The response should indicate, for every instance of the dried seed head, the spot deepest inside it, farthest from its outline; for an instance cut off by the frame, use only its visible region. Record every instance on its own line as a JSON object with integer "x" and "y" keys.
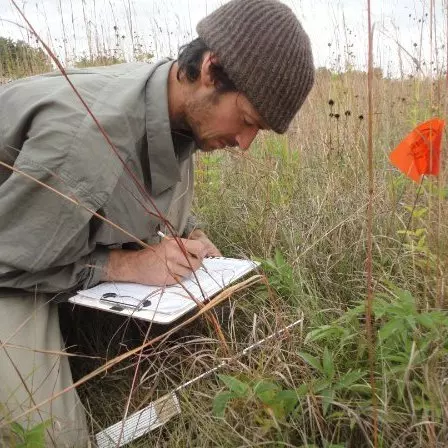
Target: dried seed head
{"x": 331, "y": 102}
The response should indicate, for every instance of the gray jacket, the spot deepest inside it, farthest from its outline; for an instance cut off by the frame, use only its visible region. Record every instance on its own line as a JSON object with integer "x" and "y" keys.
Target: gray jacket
{"x": 49, "y": 244}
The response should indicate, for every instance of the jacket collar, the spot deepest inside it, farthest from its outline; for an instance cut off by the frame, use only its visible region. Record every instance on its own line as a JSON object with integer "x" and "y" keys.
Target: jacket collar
{"x": 163, "y": 160}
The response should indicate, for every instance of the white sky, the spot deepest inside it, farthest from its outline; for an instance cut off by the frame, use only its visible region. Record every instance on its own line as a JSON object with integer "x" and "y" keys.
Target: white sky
{"x": 162, "y": 25}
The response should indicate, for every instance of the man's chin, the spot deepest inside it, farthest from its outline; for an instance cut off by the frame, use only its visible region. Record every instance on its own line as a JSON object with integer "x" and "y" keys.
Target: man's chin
{"x": 207, "y": 146}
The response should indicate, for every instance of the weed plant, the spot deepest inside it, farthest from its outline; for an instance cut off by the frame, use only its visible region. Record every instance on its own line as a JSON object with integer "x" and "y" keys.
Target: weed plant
{"x": 297, "y": 203}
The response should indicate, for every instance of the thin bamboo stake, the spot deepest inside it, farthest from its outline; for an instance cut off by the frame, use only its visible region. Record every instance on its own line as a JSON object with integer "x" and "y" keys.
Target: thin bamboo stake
{"x": 369, "y": 263}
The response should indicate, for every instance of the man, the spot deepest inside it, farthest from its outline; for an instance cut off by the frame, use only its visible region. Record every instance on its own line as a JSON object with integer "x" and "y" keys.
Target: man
{"x": 251, "y": 68}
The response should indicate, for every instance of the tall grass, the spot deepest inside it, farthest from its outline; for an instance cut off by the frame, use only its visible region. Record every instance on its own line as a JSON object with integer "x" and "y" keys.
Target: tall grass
{"x": 298, "y": 203}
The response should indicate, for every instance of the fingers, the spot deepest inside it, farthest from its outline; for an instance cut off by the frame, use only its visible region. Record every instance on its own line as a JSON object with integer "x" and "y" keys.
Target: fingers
{"x": 188, "y": 262}
{"x": 214, "y": 252}
{"x": 182, "y": 261}
{"x": 196, "y": 248}
{"x": 166, "y": 263}
{"x": 211, "y": 249}
{"x": 180, "y": 271}
{"x": 193, "y": 249}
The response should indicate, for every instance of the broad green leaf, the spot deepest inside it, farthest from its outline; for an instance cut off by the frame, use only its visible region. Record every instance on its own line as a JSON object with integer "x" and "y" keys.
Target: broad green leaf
{"x": 405, "y": 297}
{"x": 419, "y": 213}
{"x": 320, "y": 385}
{"x": 420, "y": 232}
{"x": 269, "y": 265}
{"x": 401, "y": 310}
{"x": 327, "y": 398}
{"x": 400, "y": 358}
{"x": 364, "y": 389}
{"x": 35, "y": 437}
{"x": 325, "y": 331}
{"x": 311, "y": 360}
{"x": 439, "y": 317}
{"x": 220, "y": 403}
{"x": 266, "y": 391}
{"x": 390, "y": 328}
{"x": 425, "y": 320}
{"x": 302, "y": 390}
{"x": 236, "y": 386}
{"x": 443, "y": 193}
{"x": 279, "y": 259}
{"x": 353, "y": 312}
{"x": 18, "y": 429}
{"x": 411, "y": 321}
{"x": 278, "y": 409}
{"x": 405, "y": 232}
{"x": 349, "y": 378}
{"x": 328, "y": 365}
{"x": 421, "y": 244}
{"x": 380, "y": 307}
{"x": 288, "y": 398}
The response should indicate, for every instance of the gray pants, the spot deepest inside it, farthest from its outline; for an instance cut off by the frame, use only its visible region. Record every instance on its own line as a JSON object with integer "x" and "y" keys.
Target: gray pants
{"x": 29, "y": 374}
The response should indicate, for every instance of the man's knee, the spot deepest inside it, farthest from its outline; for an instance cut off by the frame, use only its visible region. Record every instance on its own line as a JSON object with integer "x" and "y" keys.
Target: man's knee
{"x": 35, "y": 369}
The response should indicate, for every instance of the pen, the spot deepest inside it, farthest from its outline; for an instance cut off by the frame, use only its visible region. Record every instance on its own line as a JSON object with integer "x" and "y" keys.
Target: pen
{"x": 161, "y": 234}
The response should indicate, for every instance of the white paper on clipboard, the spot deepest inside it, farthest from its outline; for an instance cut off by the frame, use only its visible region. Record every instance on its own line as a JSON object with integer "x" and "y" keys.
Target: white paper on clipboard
{"x": 165, "y": 304}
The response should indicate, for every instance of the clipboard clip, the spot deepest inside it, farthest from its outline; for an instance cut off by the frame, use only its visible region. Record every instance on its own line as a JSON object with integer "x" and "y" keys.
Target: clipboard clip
{"x": 121, "y": 302}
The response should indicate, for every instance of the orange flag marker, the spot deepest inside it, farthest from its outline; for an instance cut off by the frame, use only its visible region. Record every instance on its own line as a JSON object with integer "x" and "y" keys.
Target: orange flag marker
{"x": 419, "y": 151}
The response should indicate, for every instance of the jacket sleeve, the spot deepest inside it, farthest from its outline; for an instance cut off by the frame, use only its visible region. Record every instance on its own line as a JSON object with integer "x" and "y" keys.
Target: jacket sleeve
{"x": 45, "y": 239}
{"x": 48, "y": 242}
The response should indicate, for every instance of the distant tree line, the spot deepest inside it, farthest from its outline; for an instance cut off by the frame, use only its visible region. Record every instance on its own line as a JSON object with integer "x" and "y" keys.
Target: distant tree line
{"x": 18, "y": 59}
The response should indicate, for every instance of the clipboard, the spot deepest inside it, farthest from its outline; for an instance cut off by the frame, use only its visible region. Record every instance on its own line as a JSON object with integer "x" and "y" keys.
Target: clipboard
{"x": 165, "y": 305}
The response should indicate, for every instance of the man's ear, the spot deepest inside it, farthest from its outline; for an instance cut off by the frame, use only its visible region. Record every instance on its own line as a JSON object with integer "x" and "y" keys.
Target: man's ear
{"x": 208, "y": 61}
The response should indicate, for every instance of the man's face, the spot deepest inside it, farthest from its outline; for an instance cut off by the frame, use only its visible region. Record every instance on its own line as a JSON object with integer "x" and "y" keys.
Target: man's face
{"x": 220, "y": 120}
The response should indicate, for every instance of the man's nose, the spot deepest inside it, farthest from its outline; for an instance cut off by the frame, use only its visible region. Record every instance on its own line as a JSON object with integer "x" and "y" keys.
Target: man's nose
{"x": 246, "y": 137}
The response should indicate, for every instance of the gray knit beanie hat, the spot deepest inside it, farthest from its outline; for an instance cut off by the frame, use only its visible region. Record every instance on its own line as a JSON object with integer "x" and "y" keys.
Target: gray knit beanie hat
{"x": 265, "y": 52}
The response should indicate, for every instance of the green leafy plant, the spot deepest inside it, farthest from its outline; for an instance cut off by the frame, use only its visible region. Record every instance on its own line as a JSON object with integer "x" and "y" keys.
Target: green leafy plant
{"x": 30, "y": 438}
{"x": 329, "y": 382}
{"x": 281, "y": 275}
{"x": 407, "y": 340}
{"x": 275, "y": 403}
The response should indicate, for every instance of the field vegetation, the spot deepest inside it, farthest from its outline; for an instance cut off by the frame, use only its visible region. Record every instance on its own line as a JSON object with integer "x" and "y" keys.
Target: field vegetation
{"x": 297, "y": 203}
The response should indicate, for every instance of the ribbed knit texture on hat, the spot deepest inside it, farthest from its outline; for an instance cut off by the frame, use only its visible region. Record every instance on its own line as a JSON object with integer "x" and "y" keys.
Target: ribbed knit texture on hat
{"x": 265, "y": 52}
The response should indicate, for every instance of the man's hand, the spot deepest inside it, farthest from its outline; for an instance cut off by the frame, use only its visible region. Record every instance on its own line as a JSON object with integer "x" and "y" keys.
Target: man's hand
{"x": 199, "y": 235}
{"x": 159, "y": 265}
